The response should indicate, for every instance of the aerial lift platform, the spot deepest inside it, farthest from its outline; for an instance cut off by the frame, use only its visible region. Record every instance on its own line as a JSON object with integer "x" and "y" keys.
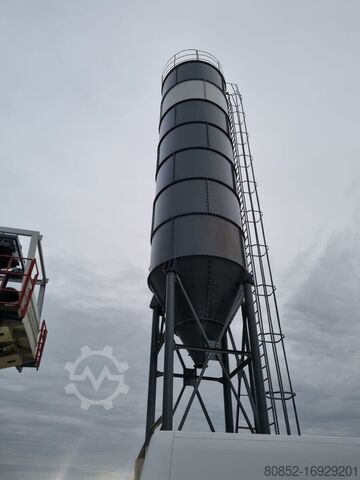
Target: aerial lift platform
{"x": 22, "y": 289}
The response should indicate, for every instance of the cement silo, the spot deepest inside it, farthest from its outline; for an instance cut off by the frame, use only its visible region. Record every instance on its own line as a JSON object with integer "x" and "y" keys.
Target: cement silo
{"x": 213, "y": 292}
{"x": 196, "y": 218}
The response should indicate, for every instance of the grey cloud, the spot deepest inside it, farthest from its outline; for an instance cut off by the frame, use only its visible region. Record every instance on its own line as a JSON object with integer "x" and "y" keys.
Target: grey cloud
{"x": 79, "y": 95}
{"x": 44, "y": 423}
{"x": 323, "y": 326}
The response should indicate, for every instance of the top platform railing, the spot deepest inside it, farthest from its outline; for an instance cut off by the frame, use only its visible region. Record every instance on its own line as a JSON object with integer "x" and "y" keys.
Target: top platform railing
{"x": 188, "y": 55}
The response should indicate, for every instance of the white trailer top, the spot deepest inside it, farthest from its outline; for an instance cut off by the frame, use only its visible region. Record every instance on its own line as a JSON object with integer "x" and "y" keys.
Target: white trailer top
{"x": 178, "y": 455}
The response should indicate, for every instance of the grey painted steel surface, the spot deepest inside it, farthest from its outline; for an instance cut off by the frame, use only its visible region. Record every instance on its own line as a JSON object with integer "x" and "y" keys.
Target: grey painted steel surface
{"x": 194, "y": 111}
{"x": 193, "y": 89}
{"x": 199, "y": 70}
{"x": 213, "y": 456}
{"x": 196, "y": 226}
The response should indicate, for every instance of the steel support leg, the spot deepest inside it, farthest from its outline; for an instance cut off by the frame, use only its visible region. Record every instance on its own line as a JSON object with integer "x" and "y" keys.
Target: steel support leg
{"x": 151, "y": 402}
{"x": 228, "y": 410}
{"x": 167, "y": 416}
{"x": 250, "y": 367}
{"x": 263, "y": 418}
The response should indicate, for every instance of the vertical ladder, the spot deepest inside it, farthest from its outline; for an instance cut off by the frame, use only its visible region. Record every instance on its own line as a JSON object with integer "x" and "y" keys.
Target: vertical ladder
{"x": 277, "y": 382}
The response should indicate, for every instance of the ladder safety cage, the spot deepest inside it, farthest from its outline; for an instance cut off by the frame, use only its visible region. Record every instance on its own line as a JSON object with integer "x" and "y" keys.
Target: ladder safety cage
{"x": 277, "y": 382}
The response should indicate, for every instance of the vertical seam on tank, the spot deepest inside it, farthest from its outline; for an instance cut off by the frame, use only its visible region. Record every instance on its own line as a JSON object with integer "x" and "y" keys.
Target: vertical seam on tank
{"x": 242, "y": 247}
{"x": 233, "y": 172}
{"x": 208, "y": 287}
{"x": 172, "y": 239}
{"x": 207, "y": 195}
{"x": 228, "y": 128}
{"x": 207, "y": 135}
{"x": 152, "y": 222}
{"x": 207, "y": 305}
{"x": 174, "y": 167}
{"x": 233, "y": 175}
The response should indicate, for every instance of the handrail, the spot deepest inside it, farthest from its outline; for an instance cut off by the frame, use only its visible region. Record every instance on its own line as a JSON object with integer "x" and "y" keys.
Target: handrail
{"x": 27, "y": 278}
{"x": 188, "y": 55}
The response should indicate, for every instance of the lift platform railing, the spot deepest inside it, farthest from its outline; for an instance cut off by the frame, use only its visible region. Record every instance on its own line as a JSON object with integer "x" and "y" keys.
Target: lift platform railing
{"x": 40, "y": 344}
{"x": 26, "y": 273}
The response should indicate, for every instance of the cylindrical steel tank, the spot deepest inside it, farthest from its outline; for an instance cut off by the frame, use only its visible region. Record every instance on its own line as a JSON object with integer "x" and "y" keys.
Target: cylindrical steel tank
{"x": 196, "y": 225}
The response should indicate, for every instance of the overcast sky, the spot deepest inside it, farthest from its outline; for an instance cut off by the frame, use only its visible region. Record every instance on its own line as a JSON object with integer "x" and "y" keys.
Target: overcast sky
{"x": 79, "y": 107}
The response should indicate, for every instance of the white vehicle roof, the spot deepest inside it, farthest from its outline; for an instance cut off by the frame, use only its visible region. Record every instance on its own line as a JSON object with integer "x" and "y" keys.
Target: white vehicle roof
{"x": 178, "y": 455}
